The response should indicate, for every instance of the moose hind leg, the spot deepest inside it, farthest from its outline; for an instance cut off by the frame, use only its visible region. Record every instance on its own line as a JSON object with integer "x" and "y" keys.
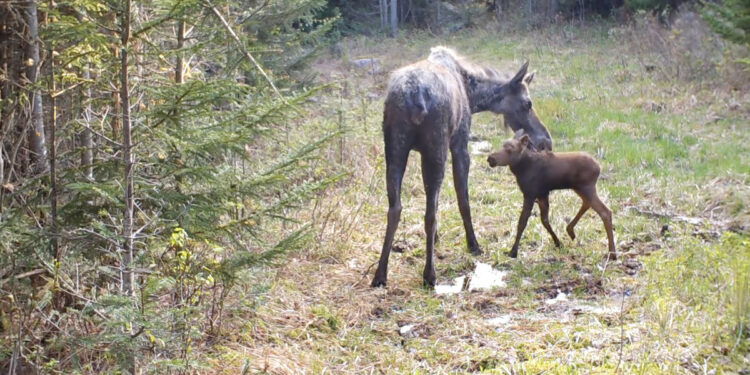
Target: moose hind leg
{"x": 395, "y": 166}
{"x": 544, "y": 213}
{"x": 584, "y": 207}
{"x": 433, "y": 170}
{"x": 461, "y": 164}
{"x": 606, "y": 216}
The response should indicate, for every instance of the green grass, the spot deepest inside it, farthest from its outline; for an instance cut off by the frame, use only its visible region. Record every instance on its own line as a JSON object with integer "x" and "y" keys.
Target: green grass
{"x": 664, "y": 157}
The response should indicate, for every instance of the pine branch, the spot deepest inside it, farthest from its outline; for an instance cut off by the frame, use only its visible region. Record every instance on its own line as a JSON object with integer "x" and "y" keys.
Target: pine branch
{"x": 242, "y": 47}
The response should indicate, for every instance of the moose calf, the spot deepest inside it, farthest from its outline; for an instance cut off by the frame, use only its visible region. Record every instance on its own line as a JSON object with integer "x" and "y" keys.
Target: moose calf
{"x": 537, "y": 173}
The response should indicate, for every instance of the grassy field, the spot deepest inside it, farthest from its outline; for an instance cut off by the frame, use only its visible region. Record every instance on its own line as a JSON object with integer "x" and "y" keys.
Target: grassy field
{"x": 675, "y": 172}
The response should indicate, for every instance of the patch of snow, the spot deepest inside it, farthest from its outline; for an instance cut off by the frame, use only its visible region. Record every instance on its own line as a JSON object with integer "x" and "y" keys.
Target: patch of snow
{"x": 499, "y": 321}
{"x": 458, "y": 285}
{"x": 561, "y": 297}
{"x": 405, "y": 329}
{"x": 485, "y": 277}
{"x": 352, "y": 263}
{"x": 481, "y": 147}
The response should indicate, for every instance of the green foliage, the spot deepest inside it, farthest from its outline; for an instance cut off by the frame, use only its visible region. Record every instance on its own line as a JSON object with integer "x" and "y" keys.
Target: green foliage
{"x": 731, "y": 20}
{"x": 702, "y": 291}
{"x": 221, "y": 172}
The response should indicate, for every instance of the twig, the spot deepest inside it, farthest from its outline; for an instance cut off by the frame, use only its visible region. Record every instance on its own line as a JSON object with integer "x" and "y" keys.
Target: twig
{"x": 242, "y": 47}
{"x": 364, "y": 274}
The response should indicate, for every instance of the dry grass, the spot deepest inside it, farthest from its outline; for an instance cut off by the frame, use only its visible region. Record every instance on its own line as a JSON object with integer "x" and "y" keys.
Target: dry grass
{"x": 675, "y": 173}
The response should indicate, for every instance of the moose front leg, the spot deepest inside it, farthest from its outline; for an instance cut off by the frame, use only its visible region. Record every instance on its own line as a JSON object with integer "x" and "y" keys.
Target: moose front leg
{"x": 528, "y": 203}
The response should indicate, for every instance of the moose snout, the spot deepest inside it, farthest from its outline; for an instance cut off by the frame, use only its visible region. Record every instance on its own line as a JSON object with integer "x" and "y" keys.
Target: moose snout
{"x": 491, "y": 160}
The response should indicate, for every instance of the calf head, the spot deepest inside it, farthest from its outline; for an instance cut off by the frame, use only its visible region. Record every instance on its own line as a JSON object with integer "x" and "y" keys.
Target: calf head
{"x": 511, "y": 152}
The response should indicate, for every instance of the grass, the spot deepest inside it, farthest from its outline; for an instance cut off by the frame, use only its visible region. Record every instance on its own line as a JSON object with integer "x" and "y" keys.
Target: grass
{"x": 675, "y": 172}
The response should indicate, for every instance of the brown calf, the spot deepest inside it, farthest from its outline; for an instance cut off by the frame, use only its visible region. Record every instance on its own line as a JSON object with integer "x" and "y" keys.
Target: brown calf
{"x": 537, "y": 173}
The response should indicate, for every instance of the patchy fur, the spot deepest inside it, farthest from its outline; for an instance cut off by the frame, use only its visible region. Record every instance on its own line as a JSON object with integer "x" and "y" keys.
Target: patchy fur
{"x": 428, "y": 109}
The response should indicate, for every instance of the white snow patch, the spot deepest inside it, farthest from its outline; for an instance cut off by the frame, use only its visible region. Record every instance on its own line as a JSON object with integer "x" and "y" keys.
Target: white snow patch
{"x": 485, "y": 278}
{"x": 405, "y": 329}
{"x": 458, "y": 285}
{"x": 498, "y": 321}
{"x": 561, "y": 297}
{"x": 352, "y": 263}
{"x": 481, "y": 147}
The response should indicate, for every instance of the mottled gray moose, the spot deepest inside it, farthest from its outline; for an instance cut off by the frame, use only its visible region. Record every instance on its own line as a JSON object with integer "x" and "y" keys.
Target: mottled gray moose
{"x": 428, "y": 109}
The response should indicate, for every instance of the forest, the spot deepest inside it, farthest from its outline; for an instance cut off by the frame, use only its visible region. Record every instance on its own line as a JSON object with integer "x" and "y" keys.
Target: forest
{"x": 199, "y": 187}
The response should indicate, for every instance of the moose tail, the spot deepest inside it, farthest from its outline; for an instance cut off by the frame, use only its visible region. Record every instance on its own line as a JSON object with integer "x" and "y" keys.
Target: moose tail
{"x": 418, "y": 105}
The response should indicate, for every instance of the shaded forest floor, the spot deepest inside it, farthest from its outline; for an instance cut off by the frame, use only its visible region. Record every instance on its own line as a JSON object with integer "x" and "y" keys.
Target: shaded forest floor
{"x": 675, "y": 172}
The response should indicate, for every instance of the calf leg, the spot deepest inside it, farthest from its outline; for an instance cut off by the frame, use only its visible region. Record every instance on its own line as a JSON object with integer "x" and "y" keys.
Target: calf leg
{"x": 461, "y": 163}
{"x": 544, "y": 213}
{"x": 433, "y": 170}
{"x": 606, "y": 216}
{"x": 528, "y": 204}
{"x": 590, "y": 198}
{"x": 571, "y": 226}
{"x": 396, "y": 158}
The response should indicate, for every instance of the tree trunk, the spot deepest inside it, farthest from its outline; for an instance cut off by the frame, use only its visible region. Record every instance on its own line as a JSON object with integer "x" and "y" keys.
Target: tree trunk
{"x": 179, "y": 68}
{"x": 383, "y": 13}
{"x": 128, "y": 278}
{"x": 437, "y": 12}
{"x": 36, "y": 136}
{"x": 87, "y": 158}
{"x": 53, "y": 158}
{"x": 394, "y": 18}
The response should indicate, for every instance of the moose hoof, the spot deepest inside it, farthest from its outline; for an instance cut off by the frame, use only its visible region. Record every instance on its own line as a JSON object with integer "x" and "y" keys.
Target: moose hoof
{"x": 428, "y": 280}
{"x": 512, "y": 254}
{"x": 377, "y": 282}
{"x": 475, "y": 250}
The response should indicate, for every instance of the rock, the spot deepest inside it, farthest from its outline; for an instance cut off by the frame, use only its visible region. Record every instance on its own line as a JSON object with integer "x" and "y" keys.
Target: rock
{"x": 372, "y": 65}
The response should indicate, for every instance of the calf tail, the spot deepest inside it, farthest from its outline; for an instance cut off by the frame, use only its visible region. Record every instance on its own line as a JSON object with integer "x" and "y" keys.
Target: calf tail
{"x": 418, "y": 105}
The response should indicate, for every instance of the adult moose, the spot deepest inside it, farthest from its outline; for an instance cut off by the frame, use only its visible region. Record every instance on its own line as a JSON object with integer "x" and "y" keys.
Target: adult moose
{"x": 428, "y": 109}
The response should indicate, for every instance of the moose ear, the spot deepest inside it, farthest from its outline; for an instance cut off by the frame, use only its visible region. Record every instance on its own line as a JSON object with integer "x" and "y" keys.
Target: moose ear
{"x": 521, "y": 73}
{"x": 519, "y": 133}
{"x": 529, "y": 77}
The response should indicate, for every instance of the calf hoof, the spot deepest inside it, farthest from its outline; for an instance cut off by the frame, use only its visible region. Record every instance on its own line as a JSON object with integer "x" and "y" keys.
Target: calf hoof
{"x": 571, "y": 233}
{"x": 612, "y": 256}
{"x": 378, "y": 282}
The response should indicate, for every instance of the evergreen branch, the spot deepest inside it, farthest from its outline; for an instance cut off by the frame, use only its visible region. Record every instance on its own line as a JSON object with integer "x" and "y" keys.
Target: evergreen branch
{"x": 242, "y": 47}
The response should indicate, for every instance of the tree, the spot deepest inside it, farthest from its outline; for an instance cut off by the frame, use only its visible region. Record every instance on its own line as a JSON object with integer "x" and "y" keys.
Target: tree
{"x": 731, "y": 20}
{"x": 159, "y": 223}
{"x": 36, "y": 135}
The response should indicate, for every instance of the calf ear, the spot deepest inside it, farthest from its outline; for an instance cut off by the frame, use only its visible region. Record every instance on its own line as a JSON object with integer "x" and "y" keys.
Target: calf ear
{"x": 525, "y": 140}
{"x": 518, "y": 134}
{"x": 521, "y": 73}
{"x": 529, "y": 77}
